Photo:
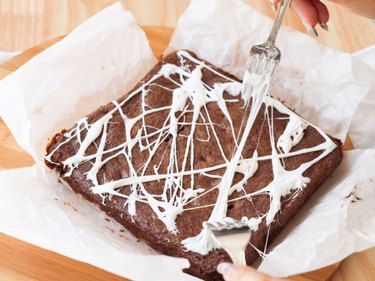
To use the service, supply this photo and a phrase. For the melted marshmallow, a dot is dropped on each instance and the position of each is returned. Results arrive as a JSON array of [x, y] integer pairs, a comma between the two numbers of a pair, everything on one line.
[[176, 196], [293, 134]]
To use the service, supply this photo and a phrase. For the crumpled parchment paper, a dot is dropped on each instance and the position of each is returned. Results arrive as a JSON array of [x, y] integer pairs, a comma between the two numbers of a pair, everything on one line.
[[105, 57]]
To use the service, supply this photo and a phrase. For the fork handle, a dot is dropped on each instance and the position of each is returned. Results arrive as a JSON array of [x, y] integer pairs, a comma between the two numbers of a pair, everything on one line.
[[238, 257], [278, 20]]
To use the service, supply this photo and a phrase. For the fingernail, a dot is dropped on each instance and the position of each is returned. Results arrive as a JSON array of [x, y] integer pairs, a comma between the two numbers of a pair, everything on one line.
[[311, 29], [224, 267], [323, 25], [272, 3]]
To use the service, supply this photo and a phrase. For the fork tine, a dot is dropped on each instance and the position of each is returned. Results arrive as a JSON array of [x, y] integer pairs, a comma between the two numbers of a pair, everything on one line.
[[262, 63], [232, 235]]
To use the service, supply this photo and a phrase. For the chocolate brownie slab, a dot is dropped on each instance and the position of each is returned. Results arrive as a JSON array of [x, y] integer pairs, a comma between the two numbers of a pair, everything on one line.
[[155, 161]]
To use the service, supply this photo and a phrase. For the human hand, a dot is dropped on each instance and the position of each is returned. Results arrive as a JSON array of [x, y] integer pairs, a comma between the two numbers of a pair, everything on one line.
[[313, 12], [233, 272]]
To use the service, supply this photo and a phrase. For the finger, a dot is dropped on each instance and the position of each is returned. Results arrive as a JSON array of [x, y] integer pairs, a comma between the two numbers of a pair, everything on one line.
[[306, 11], [308, 14], [323, 14], [233, 272]]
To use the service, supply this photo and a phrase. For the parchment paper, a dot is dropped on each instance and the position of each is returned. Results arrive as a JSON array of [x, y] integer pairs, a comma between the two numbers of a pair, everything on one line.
[[4, 56], [107, 55], [363, 121]]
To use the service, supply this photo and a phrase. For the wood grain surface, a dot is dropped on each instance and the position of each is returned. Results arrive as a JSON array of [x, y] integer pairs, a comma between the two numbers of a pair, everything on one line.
[[25, 23]]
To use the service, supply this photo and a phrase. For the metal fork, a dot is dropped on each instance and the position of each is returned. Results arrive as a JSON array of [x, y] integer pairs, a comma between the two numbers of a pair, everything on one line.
[[262, 62], [233, 236]]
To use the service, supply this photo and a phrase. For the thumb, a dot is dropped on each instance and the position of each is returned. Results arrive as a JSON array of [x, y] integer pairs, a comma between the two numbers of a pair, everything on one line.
[[233, 272]]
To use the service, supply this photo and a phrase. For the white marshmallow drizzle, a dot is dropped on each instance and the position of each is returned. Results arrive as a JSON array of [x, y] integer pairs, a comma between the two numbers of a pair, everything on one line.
[[175, 197]]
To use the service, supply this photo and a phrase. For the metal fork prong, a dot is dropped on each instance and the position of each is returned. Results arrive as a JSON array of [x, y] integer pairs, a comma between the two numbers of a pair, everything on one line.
[[232, 235], [262, 64], [226, 231], [271, 65], [253, 63], [264, 57], [226, 223]]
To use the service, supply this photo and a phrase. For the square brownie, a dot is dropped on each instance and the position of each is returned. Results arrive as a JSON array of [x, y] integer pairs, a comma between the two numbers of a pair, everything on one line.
[[154, 161]]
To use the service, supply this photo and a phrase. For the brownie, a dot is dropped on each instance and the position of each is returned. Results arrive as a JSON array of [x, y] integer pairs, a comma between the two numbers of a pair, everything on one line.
[[146, 133]]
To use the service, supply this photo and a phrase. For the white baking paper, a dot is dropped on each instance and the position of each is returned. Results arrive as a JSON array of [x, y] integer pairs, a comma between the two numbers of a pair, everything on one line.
[[107, 55], [363, 120], [5, 56]]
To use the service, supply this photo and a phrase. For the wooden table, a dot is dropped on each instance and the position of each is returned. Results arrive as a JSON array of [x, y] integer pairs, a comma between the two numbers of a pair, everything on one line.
[[25, 23]]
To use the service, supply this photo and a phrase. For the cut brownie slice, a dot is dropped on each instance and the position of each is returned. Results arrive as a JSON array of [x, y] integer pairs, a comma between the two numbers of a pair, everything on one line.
[[154, 160]]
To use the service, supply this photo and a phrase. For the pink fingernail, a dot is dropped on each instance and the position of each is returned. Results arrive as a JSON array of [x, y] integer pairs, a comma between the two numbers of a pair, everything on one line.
[[224, 267]]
